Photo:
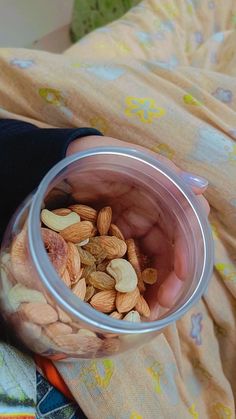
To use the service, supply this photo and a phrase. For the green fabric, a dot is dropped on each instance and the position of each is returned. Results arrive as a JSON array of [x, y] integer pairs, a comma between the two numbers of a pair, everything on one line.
[[91, 14]]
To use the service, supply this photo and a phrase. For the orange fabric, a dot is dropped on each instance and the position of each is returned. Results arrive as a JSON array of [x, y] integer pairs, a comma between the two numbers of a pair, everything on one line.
[[52, 375], [17, 416]]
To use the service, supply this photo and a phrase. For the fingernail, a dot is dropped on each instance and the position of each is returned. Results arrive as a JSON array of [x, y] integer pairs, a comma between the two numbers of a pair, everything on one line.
[[194, 180]]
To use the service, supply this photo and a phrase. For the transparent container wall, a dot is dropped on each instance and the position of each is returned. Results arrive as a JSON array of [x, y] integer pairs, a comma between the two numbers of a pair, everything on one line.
[[31, 314], [147, 207]]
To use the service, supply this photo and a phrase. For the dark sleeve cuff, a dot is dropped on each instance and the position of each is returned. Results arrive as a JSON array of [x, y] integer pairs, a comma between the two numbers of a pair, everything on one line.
[[27, 153]]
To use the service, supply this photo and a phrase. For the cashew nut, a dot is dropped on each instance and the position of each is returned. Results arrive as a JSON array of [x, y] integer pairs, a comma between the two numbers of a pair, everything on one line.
[[6, 286], [4, 274], [58, 222], [132, 316], [124, 274], [21, 294], [86, 332], [83, 243]]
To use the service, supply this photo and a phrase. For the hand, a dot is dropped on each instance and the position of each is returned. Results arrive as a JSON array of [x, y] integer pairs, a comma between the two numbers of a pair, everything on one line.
[[196, 183], [146, 230]]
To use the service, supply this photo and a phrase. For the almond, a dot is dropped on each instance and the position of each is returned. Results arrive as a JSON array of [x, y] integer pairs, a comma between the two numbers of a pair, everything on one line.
[[79, 276], [39, 313], [101, 256], [73, 262], [142, 307], [104, 220], [66, 278], [86, 332], [94, 232], [63, 316], [80, 289], [86, 213], [61, 211], [115, 231], [126, 301], [133, 255], [110, 345], [57, 328], [114, 247], [75, 326], [116, 315], [90, 291], [104, 301], [149, 276], [56, 248], [132, 316], [77, 232], [85, 257], [77, 343], [102, 281]]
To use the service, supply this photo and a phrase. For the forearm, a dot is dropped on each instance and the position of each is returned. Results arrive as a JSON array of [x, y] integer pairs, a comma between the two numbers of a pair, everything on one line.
[[27, 153]]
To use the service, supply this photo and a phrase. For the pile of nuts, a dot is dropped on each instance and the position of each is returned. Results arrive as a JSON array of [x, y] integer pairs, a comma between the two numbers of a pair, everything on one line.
[[93, 259]]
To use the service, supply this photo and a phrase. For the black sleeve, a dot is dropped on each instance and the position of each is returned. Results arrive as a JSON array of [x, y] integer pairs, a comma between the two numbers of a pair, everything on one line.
[[26, 154]]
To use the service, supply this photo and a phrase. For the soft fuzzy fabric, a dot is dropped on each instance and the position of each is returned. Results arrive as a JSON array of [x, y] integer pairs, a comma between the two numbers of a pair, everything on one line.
[[163, 76]]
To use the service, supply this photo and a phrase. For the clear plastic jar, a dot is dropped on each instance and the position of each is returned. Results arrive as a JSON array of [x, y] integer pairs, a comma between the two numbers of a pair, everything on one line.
[[120, 178]]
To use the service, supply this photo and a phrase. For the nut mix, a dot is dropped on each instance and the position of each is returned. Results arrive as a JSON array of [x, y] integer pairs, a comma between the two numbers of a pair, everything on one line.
[[95, 262]]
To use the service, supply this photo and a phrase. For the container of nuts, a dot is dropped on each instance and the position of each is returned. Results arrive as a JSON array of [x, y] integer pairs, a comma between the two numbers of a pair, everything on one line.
[[110, 249]]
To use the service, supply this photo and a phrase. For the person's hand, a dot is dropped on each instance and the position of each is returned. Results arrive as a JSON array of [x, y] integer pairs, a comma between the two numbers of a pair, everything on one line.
[[146, 230], [196, 183]]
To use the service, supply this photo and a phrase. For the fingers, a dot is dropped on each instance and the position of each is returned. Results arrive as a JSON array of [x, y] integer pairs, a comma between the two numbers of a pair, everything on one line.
[[139, 218], [85, 143], [181, 261], [169, 290], [204, 204], [197, 183]]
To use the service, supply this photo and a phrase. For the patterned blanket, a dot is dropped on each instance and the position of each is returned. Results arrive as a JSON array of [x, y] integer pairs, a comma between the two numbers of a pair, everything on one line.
[[163, 76]]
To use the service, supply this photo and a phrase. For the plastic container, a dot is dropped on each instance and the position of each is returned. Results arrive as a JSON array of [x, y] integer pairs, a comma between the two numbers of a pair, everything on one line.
[[142, 190]]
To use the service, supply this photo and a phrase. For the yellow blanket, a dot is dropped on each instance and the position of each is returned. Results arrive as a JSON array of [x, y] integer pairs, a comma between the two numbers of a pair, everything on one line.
[[163, 76]]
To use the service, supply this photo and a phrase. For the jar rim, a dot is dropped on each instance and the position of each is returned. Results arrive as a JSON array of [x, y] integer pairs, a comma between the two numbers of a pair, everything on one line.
[[82, 311]]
